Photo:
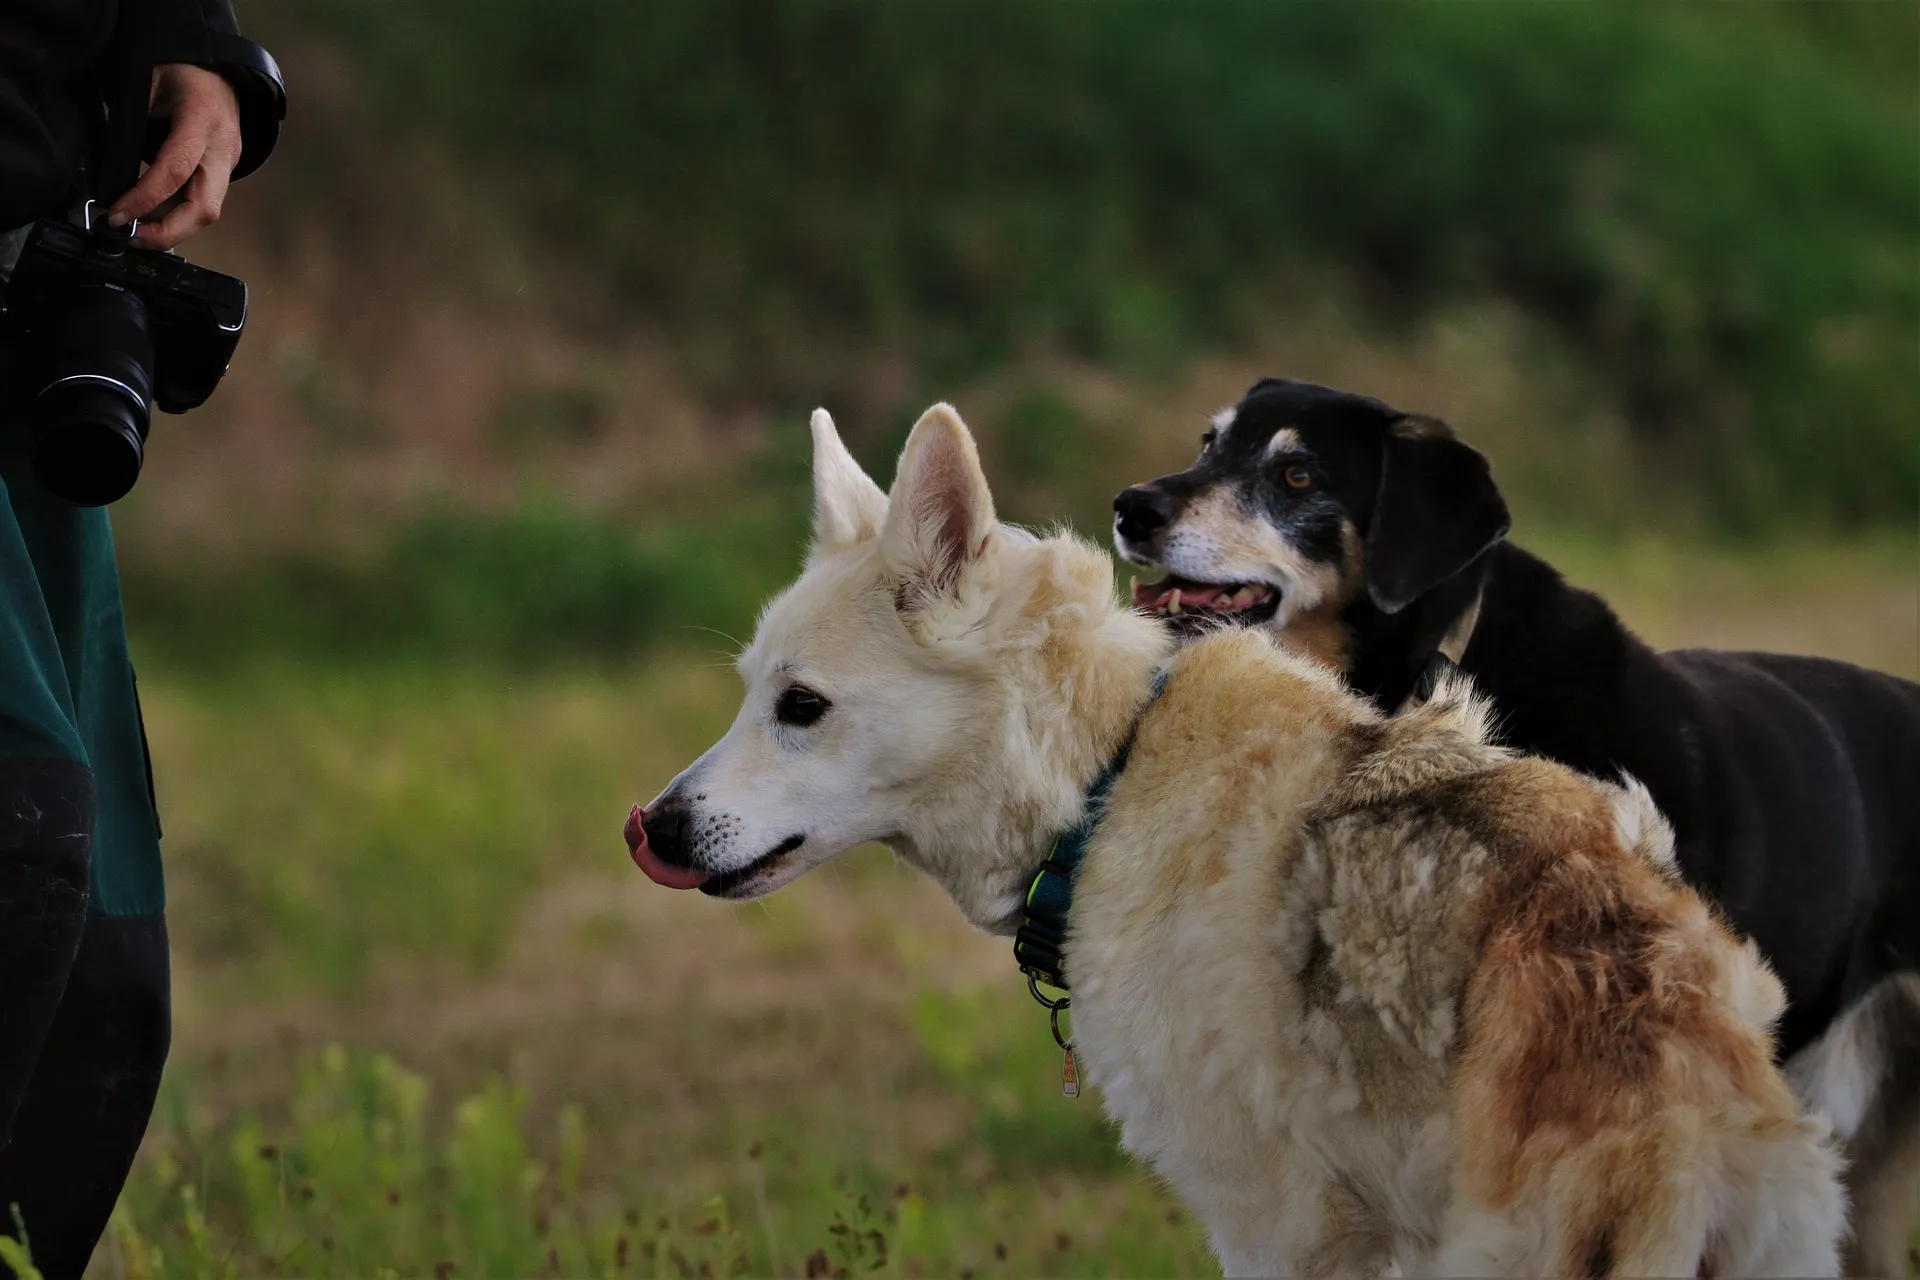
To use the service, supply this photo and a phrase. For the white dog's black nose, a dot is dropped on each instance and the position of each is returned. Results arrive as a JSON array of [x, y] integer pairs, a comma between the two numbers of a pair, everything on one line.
[[669, 830], [1141, 512]]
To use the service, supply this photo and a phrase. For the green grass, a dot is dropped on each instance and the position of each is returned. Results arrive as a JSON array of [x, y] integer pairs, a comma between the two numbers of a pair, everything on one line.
[[427, 1012], [540, 1055], [366, 1175], [364, 817], [423, 865]]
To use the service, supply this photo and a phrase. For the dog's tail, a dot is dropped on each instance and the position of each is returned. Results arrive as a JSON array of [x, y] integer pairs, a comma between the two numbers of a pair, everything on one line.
[[1709, 1195], [1784, 1211], [1659, 1226], [1858, 1075], [1621, 1204]]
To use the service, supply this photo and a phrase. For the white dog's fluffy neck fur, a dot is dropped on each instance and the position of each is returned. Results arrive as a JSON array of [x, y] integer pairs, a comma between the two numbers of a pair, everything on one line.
[[1060, 685]]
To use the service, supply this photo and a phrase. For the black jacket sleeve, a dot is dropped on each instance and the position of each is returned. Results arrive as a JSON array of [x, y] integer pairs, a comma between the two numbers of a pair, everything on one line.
[[204, 33], [60, 60], [44, 45], [176, 30]]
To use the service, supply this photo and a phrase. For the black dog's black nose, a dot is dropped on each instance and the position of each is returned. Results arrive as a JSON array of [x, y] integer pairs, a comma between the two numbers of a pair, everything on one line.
[[669, 828], [1141, 512]]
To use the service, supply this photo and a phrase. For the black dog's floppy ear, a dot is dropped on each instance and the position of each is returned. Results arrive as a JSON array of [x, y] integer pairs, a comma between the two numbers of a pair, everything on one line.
[[1437, 510]]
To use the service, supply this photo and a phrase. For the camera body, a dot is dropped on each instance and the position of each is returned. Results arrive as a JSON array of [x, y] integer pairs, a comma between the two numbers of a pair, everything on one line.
[[111, 327]]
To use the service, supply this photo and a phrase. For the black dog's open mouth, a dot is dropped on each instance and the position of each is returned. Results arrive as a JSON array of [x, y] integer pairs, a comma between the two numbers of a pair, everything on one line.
[[1194, 606], [725, 883]]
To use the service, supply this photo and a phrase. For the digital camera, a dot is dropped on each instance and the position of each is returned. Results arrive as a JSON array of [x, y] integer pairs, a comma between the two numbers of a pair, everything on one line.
[[111, 328]]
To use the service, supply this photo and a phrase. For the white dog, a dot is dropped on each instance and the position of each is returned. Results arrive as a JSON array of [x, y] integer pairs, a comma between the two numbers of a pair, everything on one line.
[[1364, 990]]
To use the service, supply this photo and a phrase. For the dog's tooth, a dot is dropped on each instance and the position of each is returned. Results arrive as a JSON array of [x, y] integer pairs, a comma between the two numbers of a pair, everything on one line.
[[1173, 600], [1133, 585]]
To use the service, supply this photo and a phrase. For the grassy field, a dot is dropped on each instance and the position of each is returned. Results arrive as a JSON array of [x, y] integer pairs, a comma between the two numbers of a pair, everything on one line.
[[430, 1020], [543, 297], [428, 865]]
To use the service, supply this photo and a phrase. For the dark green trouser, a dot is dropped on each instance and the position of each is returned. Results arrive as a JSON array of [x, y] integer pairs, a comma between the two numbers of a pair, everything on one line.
[[66, 683], [84, 1003]]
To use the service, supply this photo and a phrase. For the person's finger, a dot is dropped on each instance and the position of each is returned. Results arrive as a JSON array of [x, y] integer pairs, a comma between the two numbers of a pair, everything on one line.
[[178, 158], [199, 208], [222, 154], [212, 179]]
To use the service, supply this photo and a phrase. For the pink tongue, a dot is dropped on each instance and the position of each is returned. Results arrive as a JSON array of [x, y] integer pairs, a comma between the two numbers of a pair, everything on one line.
[[648, 861]]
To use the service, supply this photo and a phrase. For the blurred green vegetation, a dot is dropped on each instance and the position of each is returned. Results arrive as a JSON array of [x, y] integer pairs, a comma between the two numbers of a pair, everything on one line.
[[544, 583], [1717, 204], [539, 585]]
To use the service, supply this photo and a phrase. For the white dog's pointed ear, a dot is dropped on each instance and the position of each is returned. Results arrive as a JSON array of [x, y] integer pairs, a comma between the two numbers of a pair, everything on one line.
[[940, 513], [848, 507]]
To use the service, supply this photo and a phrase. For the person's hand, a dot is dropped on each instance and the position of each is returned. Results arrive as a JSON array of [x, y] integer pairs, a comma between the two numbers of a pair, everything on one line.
[[187, 181]]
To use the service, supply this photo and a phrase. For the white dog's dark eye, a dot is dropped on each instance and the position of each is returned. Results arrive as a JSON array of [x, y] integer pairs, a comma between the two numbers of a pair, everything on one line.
[[799, 706], [1299, 477]]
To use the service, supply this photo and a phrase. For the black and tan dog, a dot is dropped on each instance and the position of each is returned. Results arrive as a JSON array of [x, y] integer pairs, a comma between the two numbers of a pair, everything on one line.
[[1376, 540]]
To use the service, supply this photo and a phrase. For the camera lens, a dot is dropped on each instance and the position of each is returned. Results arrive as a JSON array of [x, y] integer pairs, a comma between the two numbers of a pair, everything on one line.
[[90, 420]]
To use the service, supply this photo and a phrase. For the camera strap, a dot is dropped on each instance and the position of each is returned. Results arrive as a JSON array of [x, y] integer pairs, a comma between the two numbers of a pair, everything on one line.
[[119, 133]]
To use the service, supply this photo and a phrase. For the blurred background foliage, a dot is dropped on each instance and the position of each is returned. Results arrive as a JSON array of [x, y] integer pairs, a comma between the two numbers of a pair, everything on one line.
[[1703, 217], [1711, 203], [447, 573]]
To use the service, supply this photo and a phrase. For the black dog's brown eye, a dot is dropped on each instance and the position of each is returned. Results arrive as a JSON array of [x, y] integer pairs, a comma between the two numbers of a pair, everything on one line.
[[799, 706], [1299, 477]]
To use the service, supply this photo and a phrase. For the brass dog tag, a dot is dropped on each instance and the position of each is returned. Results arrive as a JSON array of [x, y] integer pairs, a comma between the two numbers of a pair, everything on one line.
[[1069, 1075]]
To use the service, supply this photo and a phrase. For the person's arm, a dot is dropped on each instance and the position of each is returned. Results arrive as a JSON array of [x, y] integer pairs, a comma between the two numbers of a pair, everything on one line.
[[221, 98]]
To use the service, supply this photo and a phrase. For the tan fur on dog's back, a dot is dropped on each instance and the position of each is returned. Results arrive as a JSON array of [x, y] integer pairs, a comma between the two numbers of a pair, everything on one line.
[[1365, 988], [1614, 1061]]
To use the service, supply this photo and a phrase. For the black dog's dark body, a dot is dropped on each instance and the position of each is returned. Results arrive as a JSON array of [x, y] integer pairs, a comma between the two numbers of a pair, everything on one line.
[[1793, 784]]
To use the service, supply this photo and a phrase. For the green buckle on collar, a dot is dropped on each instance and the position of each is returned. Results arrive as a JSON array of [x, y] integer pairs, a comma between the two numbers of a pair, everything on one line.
[[1042, 936], [1037, 945]]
